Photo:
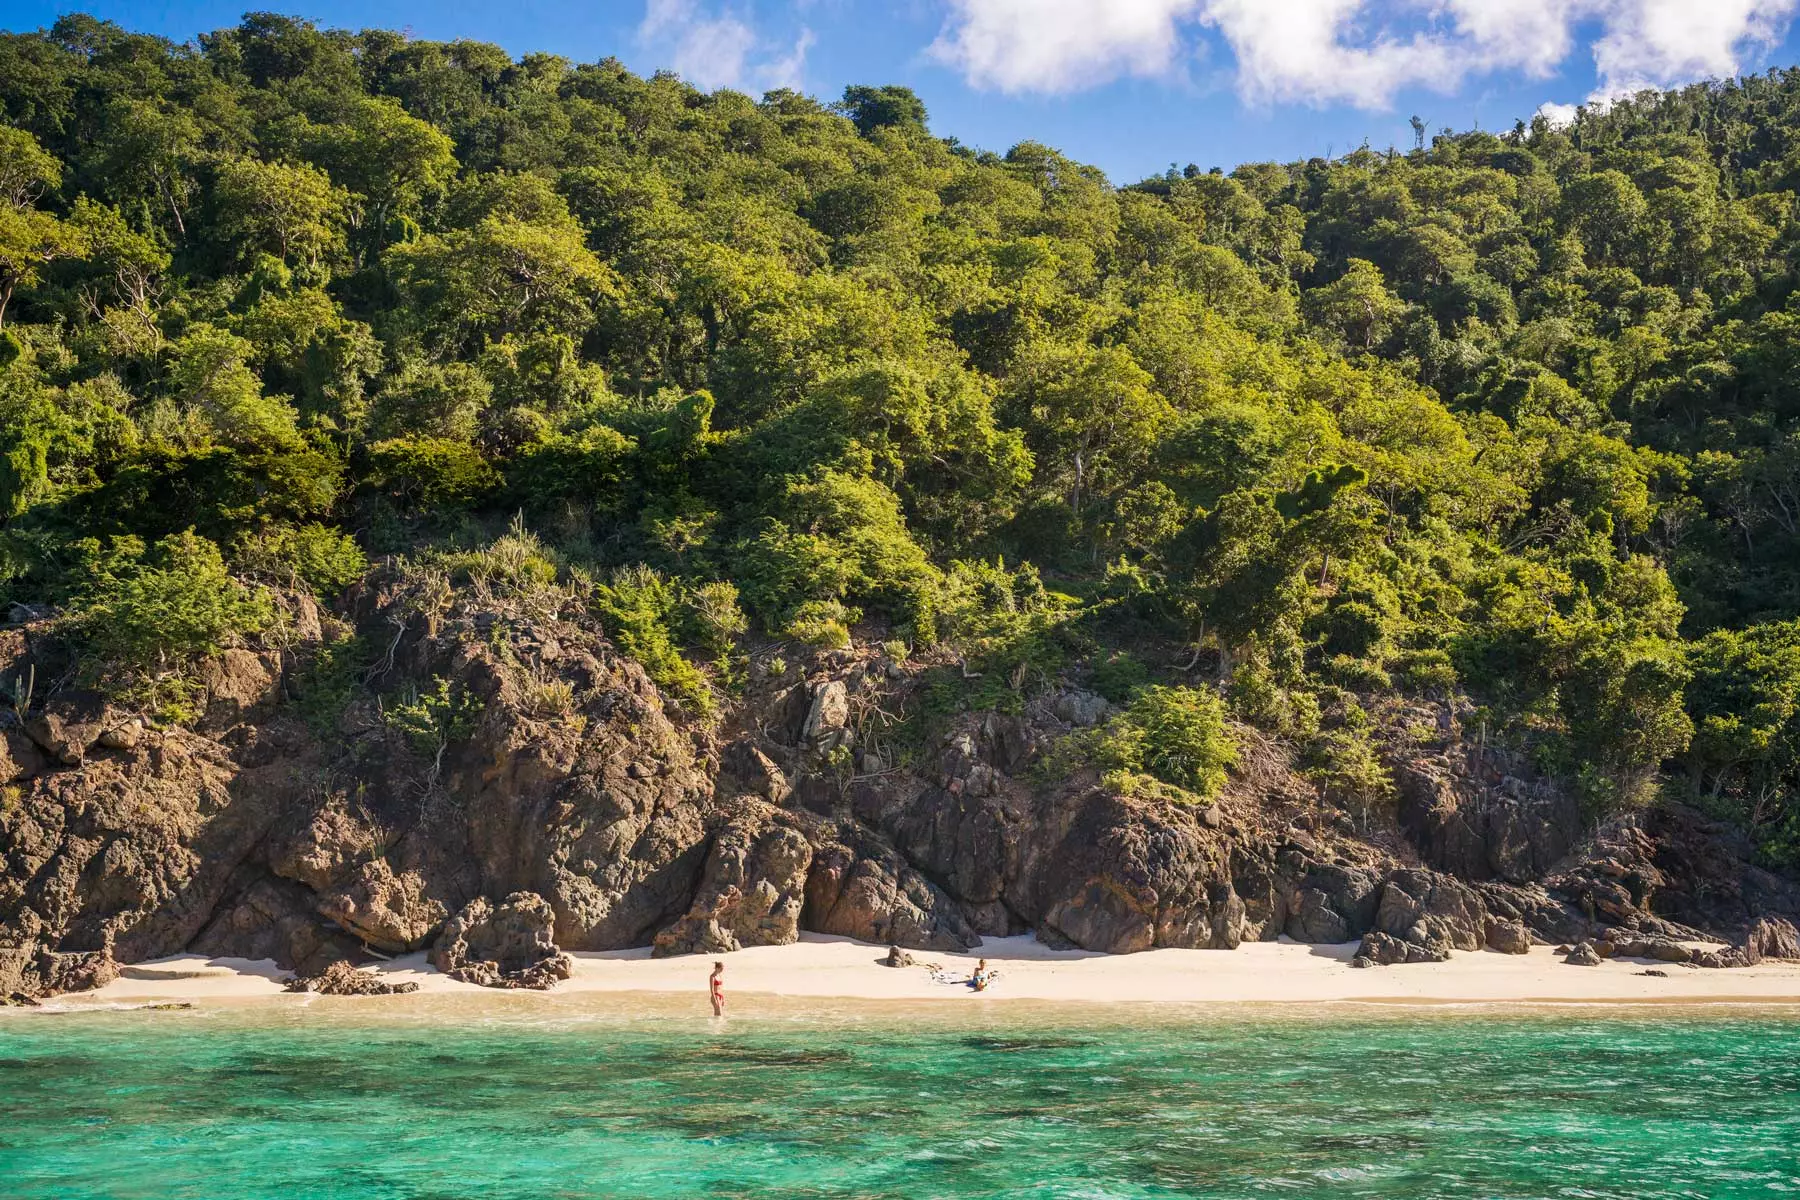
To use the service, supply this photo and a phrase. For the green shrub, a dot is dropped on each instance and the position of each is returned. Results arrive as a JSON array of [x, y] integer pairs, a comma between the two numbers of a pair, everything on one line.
[[325, 560], [434, 719], [715, 622], [328, 681], [1258, 699], [1177, 737], [516, 562], [169, 606], [640, 610], [428, 475], [1118, 676], [1180, 737], [1346, 765], [822, 623]]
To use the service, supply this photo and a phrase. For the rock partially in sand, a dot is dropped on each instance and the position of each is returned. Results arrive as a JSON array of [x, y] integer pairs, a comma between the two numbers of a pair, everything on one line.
[[1383, 950], [896, 957], [1774, 937], [1654, 973], [1334, 904], [1583, 955], [79, 971], [1425, 908], [862, 893], [342, 979], [1657, 949], [751, 891], [509, 946], [1509, 937]]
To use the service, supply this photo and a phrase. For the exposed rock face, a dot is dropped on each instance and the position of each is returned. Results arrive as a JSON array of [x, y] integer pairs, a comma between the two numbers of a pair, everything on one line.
[[827, 717], [1081, 708], [1428, 909], [751, 891], [1379, 949], [577, 808], [1109, 873], [873, 896], [1331, 903], [1508, 937], [67, 726], [1477, 820], [1583, 955], [511, 945], [342, 979], [1774, 937], [755, 771]]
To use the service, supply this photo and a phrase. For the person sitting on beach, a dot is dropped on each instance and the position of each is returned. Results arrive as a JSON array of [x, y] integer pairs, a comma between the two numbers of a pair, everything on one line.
[[982, 976], [716, 984]]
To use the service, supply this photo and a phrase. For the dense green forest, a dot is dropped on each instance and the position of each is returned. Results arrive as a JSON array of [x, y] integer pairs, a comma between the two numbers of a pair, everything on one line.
[[1508, 423]]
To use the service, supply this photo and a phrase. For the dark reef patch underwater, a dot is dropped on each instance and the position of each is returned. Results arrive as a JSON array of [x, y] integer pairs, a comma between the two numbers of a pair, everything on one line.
[[515, 1102]]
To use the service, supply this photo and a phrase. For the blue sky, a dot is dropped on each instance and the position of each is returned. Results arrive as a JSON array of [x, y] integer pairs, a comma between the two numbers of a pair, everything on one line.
[[1132, 85]]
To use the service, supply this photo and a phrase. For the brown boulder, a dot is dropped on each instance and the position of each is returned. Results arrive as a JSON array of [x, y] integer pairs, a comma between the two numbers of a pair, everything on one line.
[[1426, 908], [239, 683], [69, 725], [874, 896], [1508, 937], [342, 979], [1379, 949], [756, 771], [751, 893], [510, 945], [1583, 955], [390, 911], [1331, 904], [1774, 937]]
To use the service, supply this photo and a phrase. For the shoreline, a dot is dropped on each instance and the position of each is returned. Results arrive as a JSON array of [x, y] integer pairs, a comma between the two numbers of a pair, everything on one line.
[[822, 968]]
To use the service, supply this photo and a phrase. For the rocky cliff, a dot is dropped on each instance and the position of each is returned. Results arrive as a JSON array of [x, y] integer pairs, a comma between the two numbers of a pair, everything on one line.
[[481, 774]]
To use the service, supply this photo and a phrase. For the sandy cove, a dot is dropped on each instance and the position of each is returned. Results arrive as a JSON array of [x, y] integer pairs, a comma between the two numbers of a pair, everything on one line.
[[829, 967]]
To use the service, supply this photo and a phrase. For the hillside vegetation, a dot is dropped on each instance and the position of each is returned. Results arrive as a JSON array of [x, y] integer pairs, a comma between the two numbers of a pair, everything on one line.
[[1509, 424]]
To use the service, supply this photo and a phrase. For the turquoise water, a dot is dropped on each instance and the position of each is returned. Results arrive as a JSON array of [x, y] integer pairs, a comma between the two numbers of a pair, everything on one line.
[[539, 1100]]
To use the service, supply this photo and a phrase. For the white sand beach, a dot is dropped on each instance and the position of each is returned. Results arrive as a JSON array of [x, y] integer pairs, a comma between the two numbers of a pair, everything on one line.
[[826, 967]]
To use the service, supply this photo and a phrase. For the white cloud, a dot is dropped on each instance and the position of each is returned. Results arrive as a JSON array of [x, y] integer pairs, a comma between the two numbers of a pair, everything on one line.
[[718, 48], [1062, 45], [1560, 116], [789, 70], [1656, 43], [1309, 50], [1359, 52]]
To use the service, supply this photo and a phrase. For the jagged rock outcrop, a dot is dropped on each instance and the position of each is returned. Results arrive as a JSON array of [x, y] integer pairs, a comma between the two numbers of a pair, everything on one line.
[[1379, 949], [754, 771], [570, 780], [1106, 872], [342, 979], [1473, 817], [509, 945], [1583, 954], [1426, 908], [1774, 937], [858, 889], [751, 892], [1508, 937]]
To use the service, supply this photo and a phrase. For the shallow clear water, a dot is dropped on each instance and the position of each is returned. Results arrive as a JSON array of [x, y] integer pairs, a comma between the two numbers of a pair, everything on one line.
[[540, 1100]]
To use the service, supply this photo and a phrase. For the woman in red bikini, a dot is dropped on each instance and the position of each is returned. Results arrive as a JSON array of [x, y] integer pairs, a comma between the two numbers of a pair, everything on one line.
[[717, 982]]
